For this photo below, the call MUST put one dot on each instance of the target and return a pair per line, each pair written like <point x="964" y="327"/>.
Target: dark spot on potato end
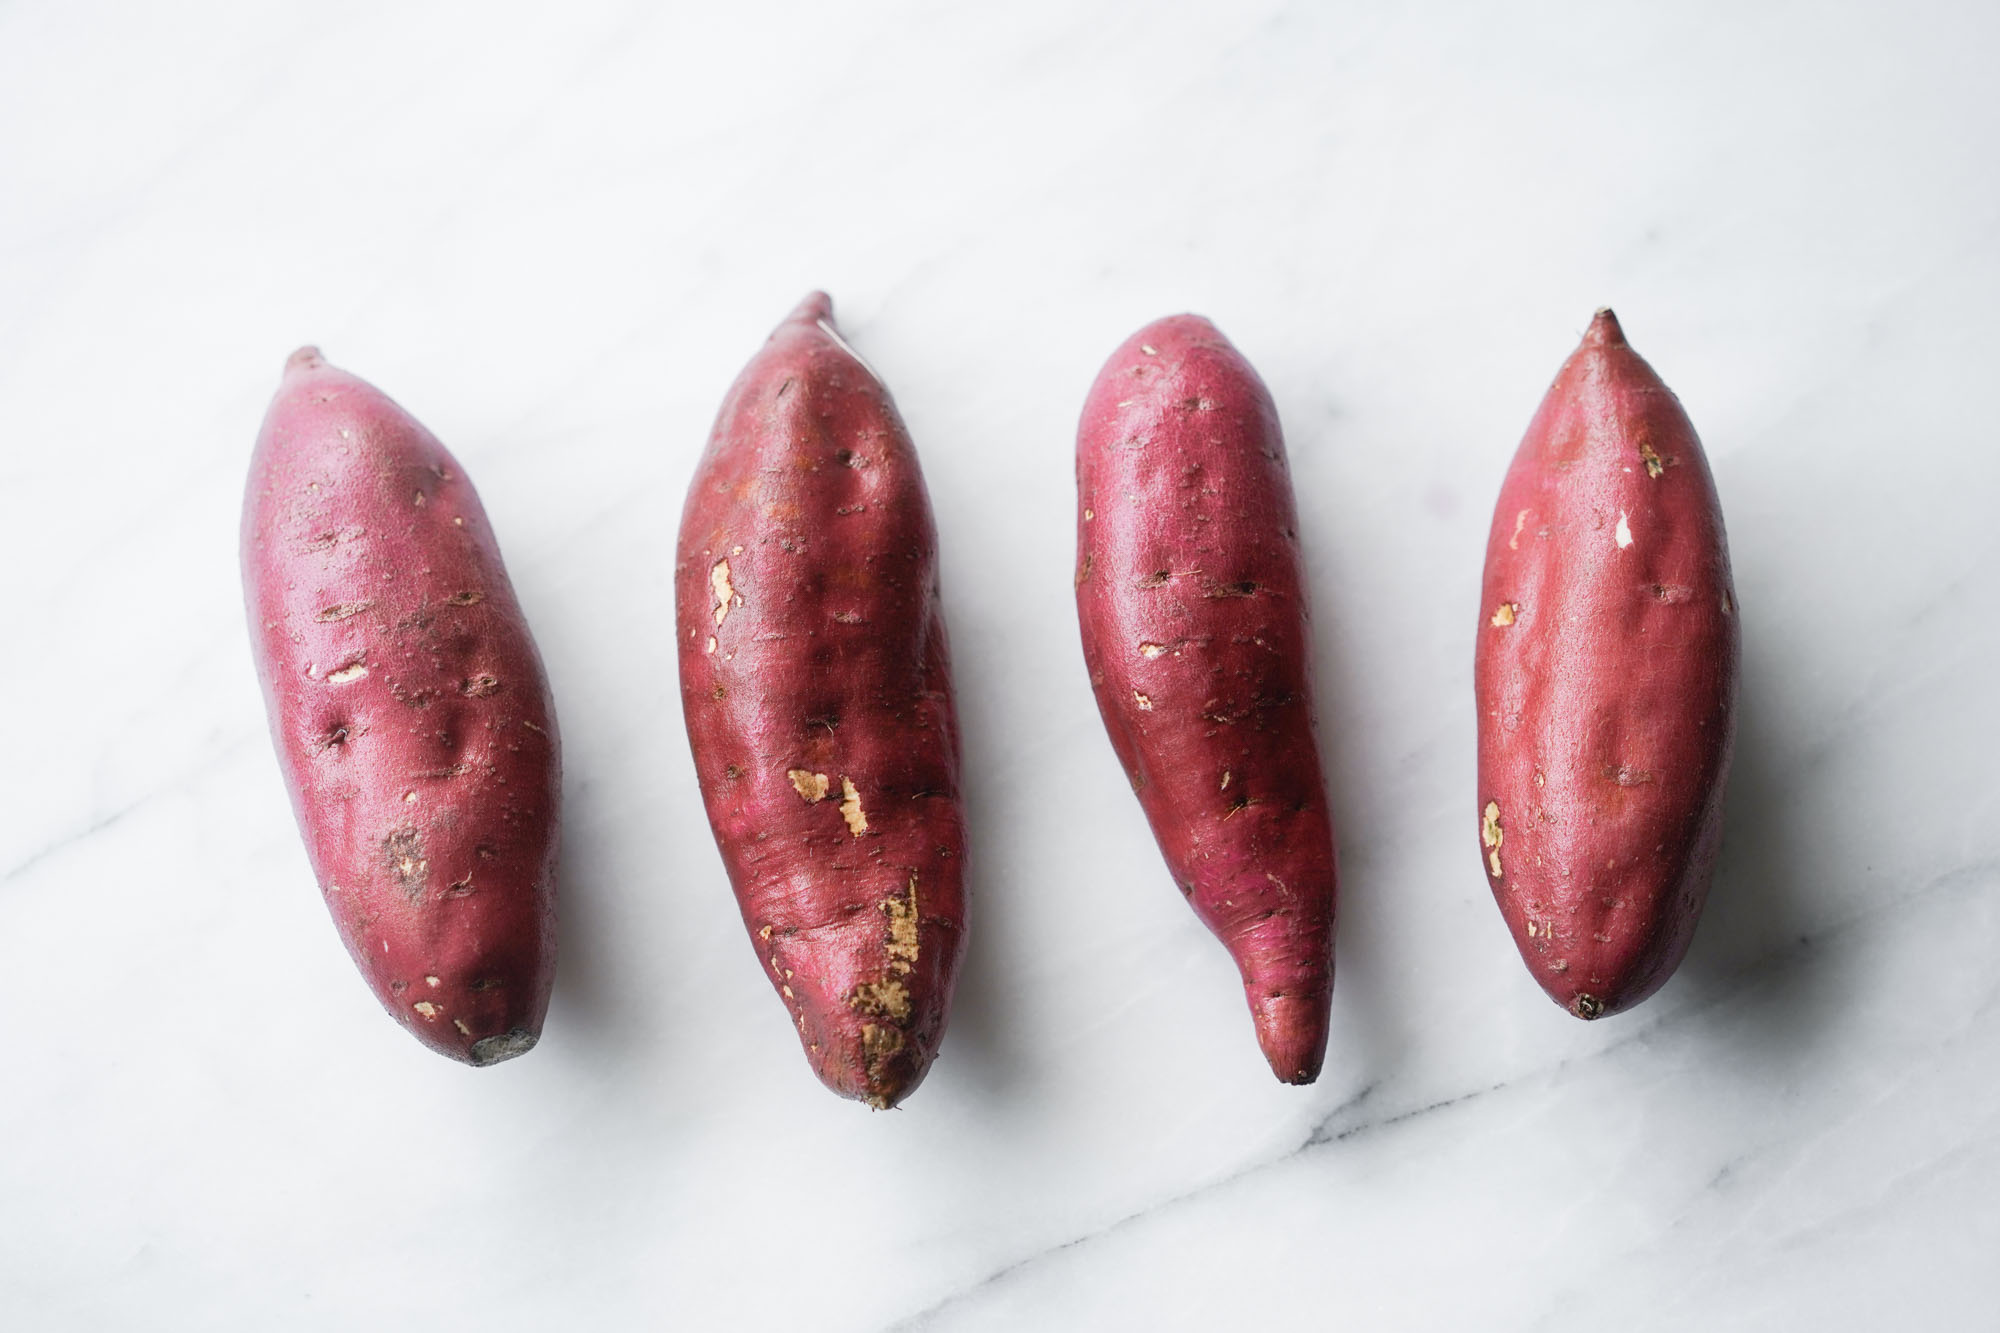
<point x="1587" y="1007"/>
<point x="403" y="850"/>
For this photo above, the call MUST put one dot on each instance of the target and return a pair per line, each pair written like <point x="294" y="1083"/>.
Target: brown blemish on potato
<point x="1627" y="776"/>
<point x="886" y="998"/>
<point x="1150" y="650"/>
<point x="1654" y="467"/>
<point x="812" y="786"/>
<point x="404" y="851"/>
<point x="850" y="808"/>
<point x="902" y="942"/>
<point x="764" y="933"/>
<point x="1503" y="615"/>
<point x="341" y="611"/>
<point x="427" y="1009"/>
<point x="1144" y="701"/>
<point x="1491" y="834"/>
<point x="1083" y="570"/>
<point x="1727" y="606"/>
<point x="723" y="590"/>
<point x="479" y="686"/>
<point x="459" y="889"/>
<point x="326" y="541"/>
<point x="352" y="671"/>
<point x="1089" y="514"/>
<point x="880" y="1044"/>
<point x="1586" y="1007"/>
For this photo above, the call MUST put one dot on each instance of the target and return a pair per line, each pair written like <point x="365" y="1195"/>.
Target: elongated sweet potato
<point x="1191" y="597"/>
<point x="1606" y="677"/>
<point x="409" y="710"/>
<point x="817" y="689"/>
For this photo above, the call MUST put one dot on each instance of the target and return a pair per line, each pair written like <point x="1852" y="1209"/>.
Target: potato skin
<point x="1191" y="597"/>
<point x="816" y="684"/>
<point x="409" y="710"/>
<point x="1606" y="677"/>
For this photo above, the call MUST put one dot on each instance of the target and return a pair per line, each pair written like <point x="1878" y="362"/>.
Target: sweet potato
<point x="1606" y="674"/>
<point x="1191" y="597"/>
<point x="409" y="709"/>
<point x="816" y="684"/>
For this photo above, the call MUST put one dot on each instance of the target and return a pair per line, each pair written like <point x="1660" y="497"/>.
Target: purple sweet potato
<point x="817" y="690"/>
<point x="1191" y="597"/>
<point x="409" y="710"/>
<point x="1606" y="674"/>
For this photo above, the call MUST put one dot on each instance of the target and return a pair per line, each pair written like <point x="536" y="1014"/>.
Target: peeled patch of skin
<point x="1191" y="597"/>
<point x="816" y="683"/>
<point x="409" y="709"/>
<point x="1606" y="675"/>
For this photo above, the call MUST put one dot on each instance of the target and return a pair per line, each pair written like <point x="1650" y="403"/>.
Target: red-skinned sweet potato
<point x="1606" y="675"/>
<point x="1191" y="596"/>
<point x="409" y="709"/>
<point x="817" y="690"/>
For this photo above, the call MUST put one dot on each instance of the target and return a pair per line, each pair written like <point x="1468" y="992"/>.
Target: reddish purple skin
<point x="1606" y="676"/>
<point x="1191" y="597"/>
<point x="812" y="646"/>
<point x="409" y="709"/>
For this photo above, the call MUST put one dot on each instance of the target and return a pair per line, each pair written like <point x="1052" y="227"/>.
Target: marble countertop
<point x="555" y="233"/>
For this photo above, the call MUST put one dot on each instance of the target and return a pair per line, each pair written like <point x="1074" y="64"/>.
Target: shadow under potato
<point x="586" y="1001"/>
<point x="1751" y="953"/>
<point x="977" y="1045"/>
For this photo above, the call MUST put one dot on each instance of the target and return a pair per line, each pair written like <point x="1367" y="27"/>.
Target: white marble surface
<point x="556" y="232"/>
